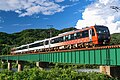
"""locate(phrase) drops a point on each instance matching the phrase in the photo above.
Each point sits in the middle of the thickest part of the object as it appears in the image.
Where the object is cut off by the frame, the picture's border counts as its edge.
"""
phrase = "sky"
(18, 15)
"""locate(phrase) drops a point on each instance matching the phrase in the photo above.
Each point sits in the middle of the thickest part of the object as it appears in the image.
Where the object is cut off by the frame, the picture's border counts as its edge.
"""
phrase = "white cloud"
(1, 20)
(21, 25)
(79, 11)
(45, 18)
(74, 0)
(59, 0)
(30, 7)
(64, 0)
(18, 11)
(100, 13)
(35, 16)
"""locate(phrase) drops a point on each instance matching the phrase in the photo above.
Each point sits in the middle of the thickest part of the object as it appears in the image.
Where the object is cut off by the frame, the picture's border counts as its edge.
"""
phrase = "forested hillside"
(115, 38)
(26, 36)
(30, 35)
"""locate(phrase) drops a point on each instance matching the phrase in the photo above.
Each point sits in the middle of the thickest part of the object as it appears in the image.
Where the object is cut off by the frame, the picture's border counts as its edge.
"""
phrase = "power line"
(115, 8)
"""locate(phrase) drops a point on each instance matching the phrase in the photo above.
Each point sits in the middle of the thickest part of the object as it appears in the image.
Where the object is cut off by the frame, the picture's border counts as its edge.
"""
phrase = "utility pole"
(50, 26)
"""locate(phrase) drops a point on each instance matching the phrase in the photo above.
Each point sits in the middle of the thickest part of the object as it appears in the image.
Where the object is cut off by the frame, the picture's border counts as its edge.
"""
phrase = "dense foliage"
(115, 38)
(56, 73)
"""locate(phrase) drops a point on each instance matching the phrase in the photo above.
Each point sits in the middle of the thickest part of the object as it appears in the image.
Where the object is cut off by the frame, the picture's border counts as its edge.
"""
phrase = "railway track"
(95, 48)
(78, 49)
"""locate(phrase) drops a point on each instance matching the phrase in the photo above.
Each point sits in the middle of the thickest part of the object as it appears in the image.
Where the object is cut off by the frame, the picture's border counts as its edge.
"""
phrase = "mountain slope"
(26, 36)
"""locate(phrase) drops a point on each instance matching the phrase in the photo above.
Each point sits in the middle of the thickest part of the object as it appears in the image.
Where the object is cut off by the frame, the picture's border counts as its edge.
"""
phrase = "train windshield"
(102, 30)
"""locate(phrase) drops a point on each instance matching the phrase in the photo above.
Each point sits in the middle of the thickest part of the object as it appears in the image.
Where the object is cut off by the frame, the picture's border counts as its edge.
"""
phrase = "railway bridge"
(108, 57)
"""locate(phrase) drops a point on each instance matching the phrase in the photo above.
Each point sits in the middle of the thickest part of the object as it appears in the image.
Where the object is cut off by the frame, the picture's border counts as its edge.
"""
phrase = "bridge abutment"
(112, 71)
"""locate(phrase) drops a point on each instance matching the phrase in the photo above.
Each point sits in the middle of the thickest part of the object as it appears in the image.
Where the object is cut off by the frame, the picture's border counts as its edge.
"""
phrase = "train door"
(90, 34)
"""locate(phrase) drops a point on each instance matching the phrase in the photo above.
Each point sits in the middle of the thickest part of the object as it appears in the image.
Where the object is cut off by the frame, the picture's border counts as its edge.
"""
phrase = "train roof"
(67, 32)
(39, 41)
(73, 31)
(21, 46)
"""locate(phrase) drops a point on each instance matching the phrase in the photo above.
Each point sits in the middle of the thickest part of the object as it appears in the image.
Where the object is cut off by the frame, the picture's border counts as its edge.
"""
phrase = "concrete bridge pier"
(20, 66)
(42, 65)
(38, 64)
(112, 71)
(9, 65)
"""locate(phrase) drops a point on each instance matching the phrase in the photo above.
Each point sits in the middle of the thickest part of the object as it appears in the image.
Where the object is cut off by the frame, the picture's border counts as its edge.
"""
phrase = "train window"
(18, 48)
(63, 38)
(56, 40)
(41, 43)
(60, 39)
(81, 34)
(30, 46)
(36, 45)
(25, 47)
(52, 41)
(85, 33)
(78, 35)
(66, 38)
(93, 33)
(46, 42)
(75, 35)
(71, 36)
(101, 29)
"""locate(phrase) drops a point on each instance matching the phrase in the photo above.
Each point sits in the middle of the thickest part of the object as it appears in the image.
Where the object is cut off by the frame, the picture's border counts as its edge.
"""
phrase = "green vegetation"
(115, 39)
(8, 41)
(78, 66)
(56, 73)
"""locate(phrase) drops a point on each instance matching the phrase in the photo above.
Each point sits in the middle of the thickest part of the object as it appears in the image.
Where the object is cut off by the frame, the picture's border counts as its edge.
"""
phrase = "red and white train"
(87, 37)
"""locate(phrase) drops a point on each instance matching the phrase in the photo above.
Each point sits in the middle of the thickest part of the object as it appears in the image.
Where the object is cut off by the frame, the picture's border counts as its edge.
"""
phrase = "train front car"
(103, 35)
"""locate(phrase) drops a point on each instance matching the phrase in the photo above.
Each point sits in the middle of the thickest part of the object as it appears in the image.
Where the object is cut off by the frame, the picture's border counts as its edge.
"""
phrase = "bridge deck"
(100, 56)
